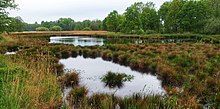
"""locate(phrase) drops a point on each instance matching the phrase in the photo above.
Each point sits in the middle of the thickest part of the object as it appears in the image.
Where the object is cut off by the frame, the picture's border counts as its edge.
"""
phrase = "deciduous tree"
(4, 19)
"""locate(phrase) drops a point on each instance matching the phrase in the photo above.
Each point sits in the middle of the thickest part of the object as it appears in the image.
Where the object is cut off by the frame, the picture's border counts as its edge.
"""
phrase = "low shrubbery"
(42, 29)
(55, 28)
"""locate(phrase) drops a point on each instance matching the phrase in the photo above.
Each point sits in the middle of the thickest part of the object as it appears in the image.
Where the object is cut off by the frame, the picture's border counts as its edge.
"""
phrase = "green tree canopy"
(112, 22)
(4, 19)
(185, 15)
(16, 24)
(66, 23)
(133, 17)
(149, 17)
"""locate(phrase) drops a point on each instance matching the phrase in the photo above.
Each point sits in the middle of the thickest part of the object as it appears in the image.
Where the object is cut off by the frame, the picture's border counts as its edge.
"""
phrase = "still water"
(78, 40)
(89, 41)
(92, 70)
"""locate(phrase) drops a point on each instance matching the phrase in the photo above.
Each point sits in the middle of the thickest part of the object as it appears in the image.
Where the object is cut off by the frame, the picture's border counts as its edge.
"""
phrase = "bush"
(42, 29)
(55, 28)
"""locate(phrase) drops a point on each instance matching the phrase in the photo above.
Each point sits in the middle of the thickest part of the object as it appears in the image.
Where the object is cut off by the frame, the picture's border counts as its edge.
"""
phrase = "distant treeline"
(67, 24)
(177, 16)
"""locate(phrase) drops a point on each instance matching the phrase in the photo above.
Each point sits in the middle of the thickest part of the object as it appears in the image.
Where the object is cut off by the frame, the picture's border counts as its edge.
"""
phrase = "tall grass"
(28, 83)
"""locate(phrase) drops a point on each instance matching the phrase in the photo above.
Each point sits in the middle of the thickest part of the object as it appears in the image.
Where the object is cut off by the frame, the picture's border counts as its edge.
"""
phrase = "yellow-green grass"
(26, 82)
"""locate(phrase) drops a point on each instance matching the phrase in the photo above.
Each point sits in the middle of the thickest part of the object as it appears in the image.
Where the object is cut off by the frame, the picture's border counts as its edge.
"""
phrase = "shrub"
(42, 29)
(55, 28)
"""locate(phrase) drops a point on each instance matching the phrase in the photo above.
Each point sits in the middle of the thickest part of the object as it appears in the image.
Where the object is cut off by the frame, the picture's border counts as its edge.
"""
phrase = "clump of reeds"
(103, 101)
(113, 80)
(107, 55)
(65, 54)
(69, 79)
(77, 95)
(57, 69)
(74, 53)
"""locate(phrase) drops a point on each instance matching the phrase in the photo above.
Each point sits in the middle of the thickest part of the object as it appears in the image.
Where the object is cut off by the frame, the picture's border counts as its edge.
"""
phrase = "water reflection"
(91, 70)
(10, 53)
(78, 40)
(89, 41)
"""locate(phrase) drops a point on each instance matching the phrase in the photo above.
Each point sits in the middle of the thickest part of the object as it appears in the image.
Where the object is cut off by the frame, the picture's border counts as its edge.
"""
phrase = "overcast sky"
(79, 10)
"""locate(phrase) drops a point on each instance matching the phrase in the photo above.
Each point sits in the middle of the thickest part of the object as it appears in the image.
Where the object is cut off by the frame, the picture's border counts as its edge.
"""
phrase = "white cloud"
(50, 10)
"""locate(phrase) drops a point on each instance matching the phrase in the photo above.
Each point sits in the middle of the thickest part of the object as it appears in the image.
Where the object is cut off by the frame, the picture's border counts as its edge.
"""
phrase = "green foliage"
(212, 26)
(78, 93)
(16, 24)
(112, 21)
(87, 29)
(184, 16)
(66, 23)
(141, 31)
(215, 6)
(4, 19)
(78, 26)
(104, 24)
(42, 29)
(96, 25)
(113, 80)
(55, 28)
(150, 32)
(149, 18)
(2, 39)
(137, 18)
(31, 27)
(133, 18)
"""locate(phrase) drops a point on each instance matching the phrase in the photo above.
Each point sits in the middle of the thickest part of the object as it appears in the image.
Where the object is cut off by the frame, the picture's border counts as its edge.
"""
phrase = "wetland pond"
(92, 41)
(92, 70)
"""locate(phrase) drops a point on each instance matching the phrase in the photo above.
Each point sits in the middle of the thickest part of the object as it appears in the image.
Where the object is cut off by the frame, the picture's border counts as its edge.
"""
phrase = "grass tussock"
(69, 79)
(113, 80)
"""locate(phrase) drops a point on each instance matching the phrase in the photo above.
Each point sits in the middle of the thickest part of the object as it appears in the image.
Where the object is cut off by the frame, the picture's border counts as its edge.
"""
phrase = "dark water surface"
(91, 70)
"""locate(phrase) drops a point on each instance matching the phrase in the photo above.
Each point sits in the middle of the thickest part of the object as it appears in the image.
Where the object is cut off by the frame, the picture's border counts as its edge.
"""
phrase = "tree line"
(66, 24)
(176, 16)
